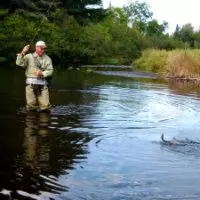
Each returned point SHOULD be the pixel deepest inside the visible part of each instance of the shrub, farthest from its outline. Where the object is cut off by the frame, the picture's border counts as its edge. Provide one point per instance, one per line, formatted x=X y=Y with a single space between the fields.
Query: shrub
x=152 y=61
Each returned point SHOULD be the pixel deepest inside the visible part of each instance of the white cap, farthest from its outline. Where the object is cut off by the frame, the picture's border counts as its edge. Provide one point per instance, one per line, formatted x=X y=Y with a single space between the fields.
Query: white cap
x=41 y=43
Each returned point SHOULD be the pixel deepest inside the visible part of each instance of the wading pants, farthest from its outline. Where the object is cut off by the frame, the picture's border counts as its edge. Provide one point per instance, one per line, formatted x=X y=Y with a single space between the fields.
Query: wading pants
x=37 y=96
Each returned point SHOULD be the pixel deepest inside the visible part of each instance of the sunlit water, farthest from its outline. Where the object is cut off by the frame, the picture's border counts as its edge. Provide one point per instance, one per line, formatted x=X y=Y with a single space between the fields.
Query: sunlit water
x=101 y=141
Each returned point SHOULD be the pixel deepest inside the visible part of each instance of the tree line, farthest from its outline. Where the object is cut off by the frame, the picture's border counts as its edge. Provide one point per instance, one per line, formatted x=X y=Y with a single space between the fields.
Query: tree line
x=82 y=32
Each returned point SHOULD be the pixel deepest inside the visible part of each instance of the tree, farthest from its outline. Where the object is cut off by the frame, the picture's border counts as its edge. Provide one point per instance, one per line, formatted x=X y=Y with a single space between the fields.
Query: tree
x=197 y=39
x=80 y=9
x=156 y=29
x=138 y=11
x=138 y=14
x=176 y=33
x=125 y=42
x=185 y=34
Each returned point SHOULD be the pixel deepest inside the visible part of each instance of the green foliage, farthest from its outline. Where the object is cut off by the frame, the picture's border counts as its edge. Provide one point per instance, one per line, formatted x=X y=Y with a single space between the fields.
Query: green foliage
x=139 y=11
x=77 y=32
x=186 y=34
x=3 y=13
x=3 y=59
x=152 y=61
x=163 y=42
x=82 y=10
x=125 y=42
x=155 y=29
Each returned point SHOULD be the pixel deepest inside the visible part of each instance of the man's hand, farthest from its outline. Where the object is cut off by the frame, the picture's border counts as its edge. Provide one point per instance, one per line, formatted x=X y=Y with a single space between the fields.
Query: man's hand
x=38 y=73
x=25 y=49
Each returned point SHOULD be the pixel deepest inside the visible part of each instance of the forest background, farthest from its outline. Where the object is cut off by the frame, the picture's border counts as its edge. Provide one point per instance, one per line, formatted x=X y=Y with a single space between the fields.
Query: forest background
x=83 y=32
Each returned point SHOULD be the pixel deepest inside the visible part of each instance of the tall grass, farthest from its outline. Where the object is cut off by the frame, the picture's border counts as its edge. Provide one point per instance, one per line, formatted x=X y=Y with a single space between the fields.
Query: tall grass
x=175 y=63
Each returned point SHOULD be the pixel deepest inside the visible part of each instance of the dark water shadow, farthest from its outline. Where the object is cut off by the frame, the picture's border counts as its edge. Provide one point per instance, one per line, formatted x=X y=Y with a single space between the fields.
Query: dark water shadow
x=42 y=155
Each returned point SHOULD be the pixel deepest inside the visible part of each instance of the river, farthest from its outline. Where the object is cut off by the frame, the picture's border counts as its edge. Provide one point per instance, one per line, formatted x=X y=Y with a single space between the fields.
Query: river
x=102 y=139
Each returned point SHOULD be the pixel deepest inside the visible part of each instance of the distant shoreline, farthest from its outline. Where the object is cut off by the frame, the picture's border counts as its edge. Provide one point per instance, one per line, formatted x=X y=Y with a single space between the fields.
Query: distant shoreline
x=130 y=74
x=108 y=66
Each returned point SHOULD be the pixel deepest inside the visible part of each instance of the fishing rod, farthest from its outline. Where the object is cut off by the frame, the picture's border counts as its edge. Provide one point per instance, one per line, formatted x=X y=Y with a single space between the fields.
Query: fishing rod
x=46 y=14
x=37 y=88
x=39 y=26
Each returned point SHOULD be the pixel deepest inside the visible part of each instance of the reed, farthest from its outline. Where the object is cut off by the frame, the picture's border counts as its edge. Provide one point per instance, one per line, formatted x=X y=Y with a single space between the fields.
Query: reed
x=176 y=63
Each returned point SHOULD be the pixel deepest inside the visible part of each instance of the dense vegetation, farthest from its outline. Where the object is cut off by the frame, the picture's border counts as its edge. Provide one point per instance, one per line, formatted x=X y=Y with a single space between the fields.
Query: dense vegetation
x=80 y=32
x=177 y=63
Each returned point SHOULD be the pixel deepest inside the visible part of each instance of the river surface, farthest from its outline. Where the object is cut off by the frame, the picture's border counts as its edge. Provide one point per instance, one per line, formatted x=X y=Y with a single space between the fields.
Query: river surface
x=101 y=140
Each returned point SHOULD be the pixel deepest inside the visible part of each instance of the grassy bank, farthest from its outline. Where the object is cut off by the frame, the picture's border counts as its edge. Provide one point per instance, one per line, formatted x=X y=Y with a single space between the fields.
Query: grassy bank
x=175 y=63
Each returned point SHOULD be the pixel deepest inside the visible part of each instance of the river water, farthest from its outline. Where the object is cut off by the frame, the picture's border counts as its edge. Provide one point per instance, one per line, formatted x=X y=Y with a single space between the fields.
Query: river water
x=102 y=139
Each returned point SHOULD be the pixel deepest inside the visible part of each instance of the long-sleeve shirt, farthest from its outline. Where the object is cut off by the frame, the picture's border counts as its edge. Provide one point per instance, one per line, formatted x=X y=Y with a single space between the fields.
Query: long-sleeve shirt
x=29 y=63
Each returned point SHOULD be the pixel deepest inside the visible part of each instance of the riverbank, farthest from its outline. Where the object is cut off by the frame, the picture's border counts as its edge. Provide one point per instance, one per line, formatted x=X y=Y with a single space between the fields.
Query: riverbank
x=132 y=74
x=176 y=64
x=117 y=67
x=119 y=70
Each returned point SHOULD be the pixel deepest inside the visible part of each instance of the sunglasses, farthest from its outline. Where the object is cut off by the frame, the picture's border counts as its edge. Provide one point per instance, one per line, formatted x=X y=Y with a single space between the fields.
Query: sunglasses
x=43 y=48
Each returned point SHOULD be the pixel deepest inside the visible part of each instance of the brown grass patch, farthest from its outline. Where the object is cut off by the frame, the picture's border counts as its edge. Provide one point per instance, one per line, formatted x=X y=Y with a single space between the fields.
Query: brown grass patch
x=183 y=65
x=176 y=63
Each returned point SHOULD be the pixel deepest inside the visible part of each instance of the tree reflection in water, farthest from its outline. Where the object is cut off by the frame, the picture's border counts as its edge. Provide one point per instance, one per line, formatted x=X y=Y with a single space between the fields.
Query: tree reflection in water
x=45 y=155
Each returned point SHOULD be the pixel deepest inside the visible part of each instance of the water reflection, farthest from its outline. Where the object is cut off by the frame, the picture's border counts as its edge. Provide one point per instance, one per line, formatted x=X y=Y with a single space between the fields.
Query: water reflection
x=36 y=149
x=184 y=87
x=57 y=156
x=45 y=155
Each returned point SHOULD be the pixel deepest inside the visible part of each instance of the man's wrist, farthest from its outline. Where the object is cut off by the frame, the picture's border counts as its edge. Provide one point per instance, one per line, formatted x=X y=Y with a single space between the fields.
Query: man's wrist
x=21 y=54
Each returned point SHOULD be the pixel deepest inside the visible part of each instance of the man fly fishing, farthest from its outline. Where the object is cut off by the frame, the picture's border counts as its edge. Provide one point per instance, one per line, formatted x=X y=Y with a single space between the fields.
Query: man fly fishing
x=39 y=68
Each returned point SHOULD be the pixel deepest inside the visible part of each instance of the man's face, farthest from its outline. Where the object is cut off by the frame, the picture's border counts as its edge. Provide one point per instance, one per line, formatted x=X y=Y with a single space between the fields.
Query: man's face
x=40 y=50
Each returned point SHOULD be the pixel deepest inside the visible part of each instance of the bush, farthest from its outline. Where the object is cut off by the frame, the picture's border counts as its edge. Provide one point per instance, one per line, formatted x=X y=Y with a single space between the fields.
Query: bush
x=152 y=61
